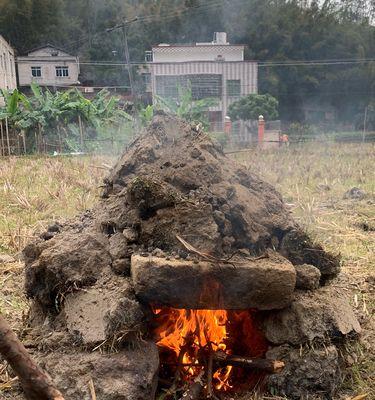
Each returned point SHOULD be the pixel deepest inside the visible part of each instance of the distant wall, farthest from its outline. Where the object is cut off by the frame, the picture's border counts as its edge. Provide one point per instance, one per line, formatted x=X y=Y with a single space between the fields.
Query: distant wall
x=48 y=71
x=7 y=66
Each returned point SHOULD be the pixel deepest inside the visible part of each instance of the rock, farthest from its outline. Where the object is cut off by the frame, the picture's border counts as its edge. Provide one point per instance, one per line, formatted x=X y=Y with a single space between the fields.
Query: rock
x=117 y=246
x=121 y=266
x=308 y=277
x=54 y=227
x=315 y=371
x=312 y=315
x=66 y=261
x=100 y=312
x=355 y=194
x=195 y=153
x=6 y=259
x=130 y=235
x=130 y=374
x=297 y=247
x=47 y=235
x=265 y=284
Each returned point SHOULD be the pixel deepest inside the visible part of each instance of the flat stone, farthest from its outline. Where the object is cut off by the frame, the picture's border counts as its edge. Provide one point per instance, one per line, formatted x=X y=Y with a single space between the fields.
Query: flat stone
x=308 y=277
x=307 y=372
x=264 y=284
x=98 y=313
x=312 y=315
x=130 y=374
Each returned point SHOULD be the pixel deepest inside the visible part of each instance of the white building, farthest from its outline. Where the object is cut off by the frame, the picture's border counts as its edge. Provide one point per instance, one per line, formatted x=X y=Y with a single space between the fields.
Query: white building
x=213 y=70
x=8 y=78
x=48 y=66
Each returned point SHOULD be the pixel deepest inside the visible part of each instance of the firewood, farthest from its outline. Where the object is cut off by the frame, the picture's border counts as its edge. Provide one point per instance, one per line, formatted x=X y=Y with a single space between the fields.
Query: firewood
x=195 y=389
x=36 y=384
x=262 y=364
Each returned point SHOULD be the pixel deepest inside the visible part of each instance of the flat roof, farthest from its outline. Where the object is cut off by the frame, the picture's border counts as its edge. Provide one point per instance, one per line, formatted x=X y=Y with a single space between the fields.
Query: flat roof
x=200 y=62
x=167 y=46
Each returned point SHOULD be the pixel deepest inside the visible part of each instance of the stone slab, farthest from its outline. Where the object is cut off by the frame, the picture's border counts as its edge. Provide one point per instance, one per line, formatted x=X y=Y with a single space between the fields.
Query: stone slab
x=264 y=284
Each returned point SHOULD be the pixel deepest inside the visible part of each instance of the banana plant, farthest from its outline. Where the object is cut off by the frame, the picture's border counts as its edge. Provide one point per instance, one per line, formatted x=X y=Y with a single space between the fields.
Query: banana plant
x=186 y=107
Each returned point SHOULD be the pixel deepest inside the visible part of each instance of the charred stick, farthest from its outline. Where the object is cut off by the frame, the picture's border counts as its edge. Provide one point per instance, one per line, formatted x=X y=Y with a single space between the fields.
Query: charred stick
x=210 y=372
x=36 y=384
x=195 y=389
x=262 y=364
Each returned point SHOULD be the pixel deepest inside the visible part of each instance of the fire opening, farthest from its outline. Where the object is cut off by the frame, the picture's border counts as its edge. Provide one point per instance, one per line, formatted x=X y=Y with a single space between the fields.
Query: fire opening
x=218 y=350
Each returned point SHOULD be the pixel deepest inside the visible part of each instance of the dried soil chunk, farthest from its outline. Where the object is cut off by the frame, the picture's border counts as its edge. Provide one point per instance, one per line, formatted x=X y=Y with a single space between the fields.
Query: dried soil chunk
x=100 y=312
x=308 y=277
x=299 y=249
x=66 y=261
x=128 y=375
x=265 y=284
x=312 y=315
x=316 y=371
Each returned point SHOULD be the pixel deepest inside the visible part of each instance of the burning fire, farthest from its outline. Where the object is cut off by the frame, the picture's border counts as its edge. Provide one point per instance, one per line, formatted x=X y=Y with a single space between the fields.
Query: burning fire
x=188 y=338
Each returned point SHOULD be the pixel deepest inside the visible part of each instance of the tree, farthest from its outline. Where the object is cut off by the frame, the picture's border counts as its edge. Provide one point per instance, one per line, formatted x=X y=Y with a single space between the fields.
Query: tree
x=62 y=116
x=254 y=105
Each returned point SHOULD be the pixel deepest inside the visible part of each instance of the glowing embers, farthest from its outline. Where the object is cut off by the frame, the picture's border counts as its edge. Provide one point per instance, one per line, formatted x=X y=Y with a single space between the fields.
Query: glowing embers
x=200 y=343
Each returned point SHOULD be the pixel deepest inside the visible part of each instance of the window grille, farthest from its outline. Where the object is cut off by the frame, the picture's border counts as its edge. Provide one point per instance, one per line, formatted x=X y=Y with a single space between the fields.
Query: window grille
x=62 y=72
x=202 y=86
x=36 y=72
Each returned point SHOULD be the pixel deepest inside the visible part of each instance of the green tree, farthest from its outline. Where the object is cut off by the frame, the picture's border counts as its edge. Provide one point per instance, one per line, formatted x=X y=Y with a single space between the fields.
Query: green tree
x=254 y=105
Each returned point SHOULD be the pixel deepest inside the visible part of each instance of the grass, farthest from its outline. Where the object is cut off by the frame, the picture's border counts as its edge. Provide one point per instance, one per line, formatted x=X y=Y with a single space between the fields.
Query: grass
x=312 y=178
x=35 y=191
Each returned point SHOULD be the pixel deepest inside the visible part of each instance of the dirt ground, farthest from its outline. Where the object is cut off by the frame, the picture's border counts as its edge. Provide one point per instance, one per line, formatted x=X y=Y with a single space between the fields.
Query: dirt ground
x=313 y=179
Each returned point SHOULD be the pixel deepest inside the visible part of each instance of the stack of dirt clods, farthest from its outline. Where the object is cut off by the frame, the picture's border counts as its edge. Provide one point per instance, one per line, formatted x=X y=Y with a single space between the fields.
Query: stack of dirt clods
x=188 y=280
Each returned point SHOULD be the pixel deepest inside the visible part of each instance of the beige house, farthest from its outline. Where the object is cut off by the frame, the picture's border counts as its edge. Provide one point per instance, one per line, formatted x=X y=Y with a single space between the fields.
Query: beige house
x=8 y=78
x=48 y=66
x=214 y=69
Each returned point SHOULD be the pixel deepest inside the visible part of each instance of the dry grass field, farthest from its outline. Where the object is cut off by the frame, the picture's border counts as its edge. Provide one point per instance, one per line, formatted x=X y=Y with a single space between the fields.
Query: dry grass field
x=313 y=179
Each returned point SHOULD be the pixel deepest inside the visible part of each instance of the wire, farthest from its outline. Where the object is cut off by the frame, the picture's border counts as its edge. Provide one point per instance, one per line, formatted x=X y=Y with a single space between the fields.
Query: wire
x=261 y=64
x=148 y=18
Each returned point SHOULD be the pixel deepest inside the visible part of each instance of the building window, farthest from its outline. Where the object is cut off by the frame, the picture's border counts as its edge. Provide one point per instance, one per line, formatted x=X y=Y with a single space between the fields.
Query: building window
x=234 y=87
x=62 y=72
x=202 y=86
x=147 y=79
x=148 y=56
x=36 y=72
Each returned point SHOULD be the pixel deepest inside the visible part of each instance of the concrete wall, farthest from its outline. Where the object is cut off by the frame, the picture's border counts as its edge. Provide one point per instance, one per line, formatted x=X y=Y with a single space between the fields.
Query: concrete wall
x=244 y=71
x=198 y=53
x=46 y=59
x=7 y=66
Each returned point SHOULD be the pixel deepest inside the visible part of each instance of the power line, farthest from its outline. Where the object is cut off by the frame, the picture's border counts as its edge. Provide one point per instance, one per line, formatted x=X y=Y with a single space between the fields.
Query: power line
x=261 y=64
x=150 y=17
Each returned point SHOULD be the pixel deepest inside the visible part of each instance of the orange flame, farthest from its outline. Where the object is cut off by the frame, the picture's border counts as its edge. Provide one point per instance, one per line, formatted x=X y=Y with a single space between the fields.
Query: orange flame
x=186 y=338
x=199 y=329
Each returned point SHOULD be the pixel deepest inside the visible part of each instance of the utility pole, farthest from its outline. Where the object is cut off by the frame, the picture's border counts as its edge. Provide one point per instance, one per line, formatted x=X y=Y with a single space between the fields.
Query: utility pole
x=123 y=26
x=364 y=125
